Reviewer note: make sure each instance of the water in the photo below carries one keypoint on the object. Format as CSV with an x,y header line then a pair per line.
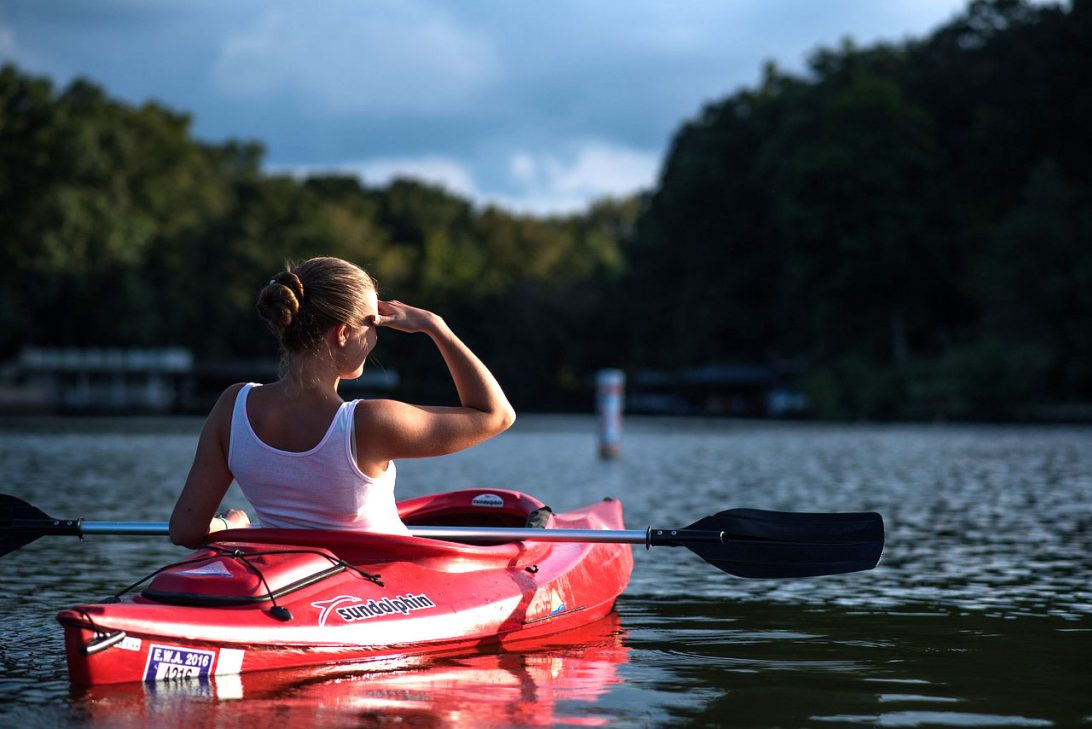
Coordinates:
x,y
980,613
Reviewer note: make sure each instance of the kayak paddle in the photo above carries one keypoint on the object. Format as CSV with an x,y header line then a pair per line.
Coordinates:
x,y
741,542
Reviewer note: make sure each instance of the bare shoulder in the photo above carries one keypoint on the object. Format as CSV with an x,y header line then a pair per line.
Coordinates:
x,y
376,413
219,420
381,424
373,422
227,398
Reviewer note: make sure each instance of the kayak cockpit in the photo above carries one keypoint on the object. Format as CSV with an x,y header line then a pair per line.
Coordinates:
x,y
470,507
259,564
473,507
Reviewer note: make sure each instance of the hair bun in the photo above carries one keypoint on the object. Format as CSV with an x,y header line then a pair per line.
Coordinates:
x,y
280,301
292,281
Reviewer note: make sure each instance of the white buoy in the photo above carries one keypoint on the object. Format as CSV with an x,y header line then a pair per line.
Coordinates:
x,y
610,388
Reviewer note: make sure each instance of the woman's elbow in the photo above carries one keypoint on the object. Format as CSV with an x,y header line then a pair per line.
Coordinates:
x,y
495,421
187,537
505,419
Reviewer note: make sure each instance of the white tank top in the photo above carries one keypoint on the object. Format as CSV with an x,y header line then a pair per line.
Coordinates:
x,y
322,488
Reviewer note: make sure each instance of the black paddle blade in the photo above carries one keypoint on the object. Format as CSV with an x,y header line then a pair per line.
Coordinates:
x,y
788,544
14,514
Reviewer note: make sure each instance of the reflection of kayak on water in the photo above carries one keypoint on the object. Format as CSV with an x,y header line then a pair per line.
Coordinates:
x,y
260,599
541,683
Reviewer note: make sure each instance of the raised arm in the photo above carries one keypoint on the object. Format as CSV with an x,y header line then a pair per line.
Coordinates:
x,y
389,429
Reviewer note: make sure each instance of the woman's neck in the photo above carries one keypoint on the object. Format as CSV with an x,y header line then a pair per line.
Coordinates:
x,y
310,377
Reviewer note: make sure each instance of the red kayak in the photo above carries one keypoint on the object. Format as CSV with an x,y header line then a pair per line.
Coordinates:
x,y
261,599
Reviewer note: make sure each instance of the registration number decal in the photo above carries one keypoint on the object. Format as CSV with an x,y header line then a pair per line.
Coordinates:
x,y
168,663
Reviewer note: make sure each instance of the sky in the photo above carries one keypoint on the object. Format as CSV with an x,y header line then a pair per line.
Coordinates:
x,y
539,107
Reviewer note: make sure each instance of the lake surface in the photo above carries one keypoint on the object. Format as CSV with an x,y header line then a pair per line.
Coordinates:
x,y
980,613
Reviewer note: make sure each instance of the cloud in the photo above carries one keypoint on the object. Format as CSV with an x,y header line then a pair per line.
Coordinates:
x,y
445,172
541,183
541,107
349,58
549,183
11,49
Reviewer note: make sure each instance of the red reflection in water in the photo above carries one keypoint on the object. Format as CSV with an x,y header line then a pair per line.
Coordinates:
x,y
553,681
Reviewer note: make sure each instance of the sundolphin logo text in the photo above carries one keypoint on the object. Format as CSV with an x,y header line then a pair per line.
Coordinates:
x,y
404,604
325,606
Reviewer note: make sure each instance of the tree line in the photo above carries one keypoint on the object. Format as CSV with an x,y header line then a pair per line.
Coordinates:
x,y
913,220
905,230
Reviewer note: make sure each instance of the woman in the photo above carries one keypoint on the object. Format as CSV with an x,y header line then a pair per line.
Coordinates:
x,y
302,456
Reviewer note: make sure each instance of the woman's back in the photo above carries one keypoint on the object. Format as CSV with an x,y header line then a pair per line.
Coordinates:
x,y
314,484
289,424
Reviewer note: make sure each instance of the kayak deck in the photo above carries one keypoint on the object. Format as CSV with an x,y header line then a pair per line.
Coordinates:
x,y
261,599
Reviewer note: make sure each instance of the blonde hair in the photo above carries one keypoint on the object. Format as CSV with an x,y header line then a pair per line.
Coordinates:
x,y
302,302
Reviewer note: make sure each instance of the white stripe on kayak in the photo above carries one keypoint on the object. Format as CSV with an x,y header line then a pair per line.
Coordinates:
x,y
229,661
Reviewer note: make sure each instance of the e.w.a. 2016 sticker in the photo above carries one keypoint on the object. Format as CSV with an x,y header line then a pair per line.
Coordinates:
x,y
167,663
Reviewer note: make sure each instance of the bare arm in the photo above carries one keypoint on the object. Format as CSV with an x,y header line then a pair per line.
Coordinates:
x,y
208,480
390,429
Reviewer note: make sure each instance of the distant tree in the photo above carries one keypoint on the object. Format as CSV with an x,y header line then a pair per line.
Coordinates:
x,y
1036,278
706,268
91,188
856,212
874,217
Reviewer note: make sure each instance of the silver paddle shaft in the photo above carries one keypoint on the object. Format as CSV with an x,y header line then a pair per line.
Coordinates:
x,y
496,534
648,537
513,534
125,528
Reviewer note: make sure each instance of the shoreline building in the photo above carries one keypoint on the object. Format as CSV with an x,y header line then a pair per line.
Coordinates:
x,y
139,381
70,380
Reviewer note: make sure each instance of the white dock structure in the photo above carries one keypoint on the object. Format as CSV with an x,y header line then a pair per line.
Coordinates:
x,y
102,380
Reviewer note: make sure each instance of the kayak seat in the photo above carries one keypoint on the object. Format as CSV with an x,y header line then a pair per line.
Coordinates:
x,y
539,518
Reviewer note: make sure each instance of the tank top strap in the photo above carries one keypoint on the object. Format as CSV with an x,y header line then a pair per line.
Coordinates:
x,y
348,423
239,421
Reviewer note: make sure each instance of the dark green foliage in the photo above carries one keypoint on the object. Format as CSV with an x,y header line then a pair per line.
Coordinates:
x,y
911,221
119,229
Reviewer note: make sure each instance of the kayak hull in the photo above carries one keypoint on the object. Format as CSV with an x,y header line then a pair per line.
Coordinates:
x,y
264,599
556,680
